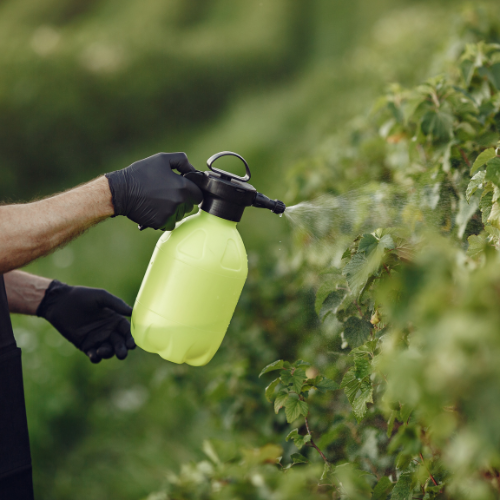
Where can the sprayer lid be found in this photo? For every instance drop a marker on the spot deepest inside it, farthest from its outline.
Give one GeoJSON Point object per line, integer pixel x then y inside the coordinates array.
{"type": "Point", "coordinates": [224, 194]}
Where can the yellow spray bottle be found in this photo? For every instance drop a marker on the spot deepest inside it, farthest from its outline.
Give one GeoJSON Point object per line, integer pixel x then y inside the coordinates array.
{"type": "Point", "coordinates": [196, 274]}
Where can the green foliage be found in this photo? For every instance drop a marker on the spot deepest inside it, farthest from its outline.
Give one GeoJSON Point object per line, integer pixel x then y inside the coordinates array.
{"type": "Point", "coordinates": [298, 440]}
{"type": "Point", "coordinates": [382, 488]}
{"type": "Point", "coordinates": [409, 308]}
{"type": "Point", "coordinates": [293, 387]}
{"type": "Point", "coordinates": [398, 394]}
{"type": "Point", "coordinates": [405, 299]}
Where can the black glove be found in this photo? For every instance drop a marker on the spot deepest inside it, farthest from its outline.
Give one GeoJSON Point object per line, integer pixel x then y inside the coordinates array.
{"type": "Point", "coordinates": [149, 193]}
{"type": "Point", "coordinates": [90, 318]}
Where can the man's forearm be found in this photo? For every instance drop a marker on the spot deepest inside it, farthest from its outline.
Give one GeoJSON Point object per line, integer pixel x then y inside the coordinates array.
{"type": "Point", "coordinates": [31, 230]}
{"type": "Point", "coordinates": [25, 291]}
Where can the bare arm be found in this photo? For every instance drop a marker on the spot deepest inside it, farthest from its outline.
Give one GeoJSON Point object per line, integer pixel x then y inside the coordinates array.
{"type": "Point", "coordinates": [31, 230]}
{"type": "Point", "coordinates": [25, 291]}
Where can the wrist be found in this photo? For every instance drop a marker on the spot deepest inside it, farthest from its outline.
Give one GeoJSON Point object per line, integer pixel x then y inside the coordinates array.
{"type": "Point", "coordinates": [25, 291]}
{"type": "Point", "coordinates": [104, 197]}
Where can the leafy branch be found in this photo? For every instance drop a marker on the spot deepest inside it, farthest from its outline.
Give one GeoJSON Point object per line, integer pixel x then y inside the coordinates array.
{"type": "Point", "coordinates": [290, 391]}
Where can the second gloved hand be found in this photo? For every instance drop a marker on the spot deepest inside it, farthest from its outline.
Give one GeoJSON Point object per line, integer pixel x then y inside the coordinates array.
{"type": "Point", "coordinates": [151, 194]}
{"type": "Point", "coordinates": [90, 318]}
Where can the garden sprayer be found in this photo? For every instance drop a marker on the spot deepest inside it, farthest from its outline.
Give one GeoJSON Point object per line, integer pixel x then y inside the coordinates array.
{"type": "Point", "coordinates": [197, 271]}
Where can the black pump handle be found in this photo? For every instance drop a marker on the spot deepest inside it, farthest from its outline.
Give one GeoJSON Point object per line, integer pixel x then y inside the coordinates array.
{"type": "Point", "coordinates": [225, 174]}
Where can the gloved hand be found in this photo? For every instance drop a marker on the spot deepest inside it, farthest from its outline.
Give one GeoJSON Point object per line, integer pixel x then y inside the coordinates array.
{"type": "Point", "coordinates": [149, 193]}
{"type": "Point", "coordinates": [90, 318]}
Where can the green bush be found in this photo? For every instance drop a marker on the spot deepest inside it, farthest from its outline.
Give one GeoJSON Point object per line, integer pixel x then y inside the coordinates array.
{"type": "Point", "coordinates": [398, 396]}
{"type": "Point", "coordinates": [72, 108]}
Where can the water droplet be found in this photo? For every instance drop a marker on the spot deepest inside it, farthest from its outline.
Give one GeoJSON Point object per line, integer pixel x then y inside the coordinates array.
{"type": "Point", "coordinates": [281, 215]}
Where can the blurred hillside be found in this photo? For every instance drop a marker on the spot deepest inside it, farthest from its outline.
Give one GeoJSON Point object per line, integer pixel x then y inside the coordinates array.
{"type": "Point", "coordinates": [89, 87]}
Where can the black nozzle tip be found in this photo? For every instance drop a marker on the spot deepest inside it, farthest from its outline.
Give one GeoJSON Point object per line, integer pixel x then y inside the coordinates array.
{"type": "Point", "coordinates": [279, 208]}
{"type": "Point", "coordinates": [262, 201]}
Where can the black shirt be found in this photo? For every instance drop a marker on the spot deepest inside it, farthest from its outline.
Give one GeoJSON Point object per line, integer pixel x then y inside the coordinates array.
{"type": "Point", "coordinates": [15, 461]}
{"type": "Point", "coordinates": [6, 335]}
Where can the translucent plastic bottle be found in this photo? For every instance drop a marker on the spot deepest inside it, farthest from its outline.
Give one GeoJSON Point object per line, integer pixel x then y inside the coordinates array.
{"type": "Point", "coordinates": [197, 272]}
{"type": "Point", "coordinates": [190, 290]}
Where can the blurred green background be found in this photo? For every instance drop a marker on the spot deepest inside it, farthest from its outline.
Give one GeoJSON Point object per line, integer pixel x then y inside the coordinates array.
{"type": "Point", "coordinates": [89, 86]}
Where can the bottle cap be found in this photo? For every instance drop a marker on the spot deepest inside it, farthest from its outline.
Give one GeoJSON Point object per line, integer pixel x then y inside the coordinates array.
{"type": "Point", "coordinates": [226, 195]}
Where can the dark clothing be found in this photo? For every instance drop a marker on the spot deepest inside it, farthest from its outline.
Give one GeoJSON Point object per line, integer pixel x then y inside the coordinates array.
{"type": "Point", "coordinates": [15, 459]}
{"type": "Point", "coordinates": [6, 335]}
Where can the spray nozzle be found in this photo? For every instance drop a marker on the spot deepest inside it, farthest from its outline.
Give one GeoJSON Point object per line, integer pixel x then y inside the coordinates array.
{"type": "Point", "coordinates": [226, 195]}
{"type": "Point", "coordinates": [262, 201]}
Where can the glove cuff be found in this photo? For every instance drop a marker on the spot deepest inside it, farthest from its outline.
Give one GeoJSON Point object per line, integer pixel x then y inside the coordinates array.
{"type": "Point", "coordinates": [117, 183]}
{"type": "Point", "coordinates": [52, 295]}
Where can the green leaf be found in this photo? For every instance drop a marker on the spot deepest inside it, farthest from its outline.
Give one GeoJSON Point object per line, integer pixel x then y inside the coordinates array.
{"type": "Point", "coordinates": [465, 211]}
{"type": "Point", "coordinates": [474, 184]}
{"type": "Point", "coordinates": [269, 391]}
{"type": "Point", "coordinates": [370, 243]}
{"type": "Point", "coordinates": [366, 261]}
{"type": "Point", "coordinates": [293, 434]}
{"type": "Point", "coordinates": [382, 489]}
{"type": "Point", "coordinates": [276, 365]}
{"type": "Point", "coordinates": [280, 401]}
{"type": "Point", "coordinates": [387, 242]}
{"type": "Point", "coordinates": [356, 272]}
{"type": "Point", "coordinates": [330, 282]}
{"type": "Point", "coordinates": [301, 362]}
{"type": "Point", "coordinates": [485, 204]}
{"type": "Point", "coordinates": [298, 440]}
{"type": "Point", "coordinates": [347, 254]}
{"type": "Point", "coordinates": [403, 489]}
{"type": "Point", "coordinates": [294, 408]}
{"type": "Point", "coordinates": [495, 75]}
{"type": "Point", "coordinates": [438, 125]}
{"type": "Point", "coordinates": [403, 461]}
{"type": "Point", "coordinates": [493, 171]}
{"type": "Point", "coordinates": [367, 244]}
{"type": "Point", "coordinates": [328, 469]}
{"type": "Point", "coordinates": [493, 232]}
{"type": "Point", "coordinates": [405, 413]}
{"type": "Point", "coordinates": [297, 458]}
{"type": "Point", "coordinates": [331, 303]}
{"type": "Point", "coordinates": [358, 392]}
{"type": "Point", "coordinates": [465, 93]}
{"type": "Point", "coordinates": [362, 367]}
{"type": "Point", "coordinates": [363, 350]}
{"type": "Point", "coordinates": [467, 68]}
{"type": "Point", "coordinates": [350, 384]}
{"type": "Point", "coordinates": [486, 155]}
{"type": "Point", "coordinates": [487, 138]}
{"type": "Point", "coordinates": [325, 384]}
{"type": "Point", "coordinates": [356, 331]}
{"type": "Point", "coordinates": [295, 379]}
{"type": "Point", "coordinates": [494, 216]}
{"type": "Point", "coordinates": [408, 439]}
{"type": "Point", "coordinates": [364, 397]}
{"type": "Point", "coordinates": [477, 244]}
